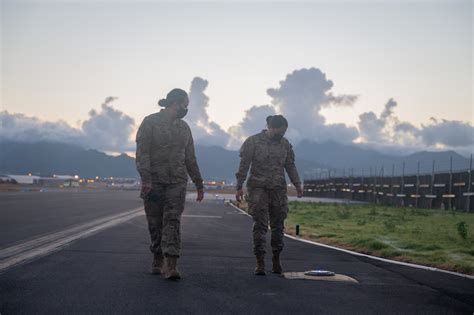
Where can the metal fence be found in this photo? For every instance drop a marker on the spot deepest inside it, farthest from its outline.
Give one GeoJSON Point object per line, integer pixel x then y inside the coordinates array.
{"type": "Point", "coordinates": [452, 189]}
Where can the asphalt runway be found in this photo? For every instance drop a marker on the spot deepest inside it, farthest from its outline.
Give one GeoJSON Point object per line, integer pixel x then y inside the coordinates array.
{"type": "Point", "coordinates": [29, 214]}
{"type": "Point", "coordinates": [107, 272]}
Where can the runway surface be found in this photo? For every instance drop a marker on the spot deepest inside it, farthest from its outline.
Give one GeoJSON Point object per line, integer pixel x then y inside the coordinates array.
{"type": "Point", "coordinates": [107, 271]}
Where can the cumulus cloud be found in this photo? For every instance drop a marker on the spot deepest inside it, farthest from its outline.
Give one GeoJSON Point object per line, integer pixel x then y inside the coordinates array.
{"type": "Point", "coordinates": [371, 127]}
{"type": "Point", "coordinates": [376, 129]}
{"type": "Point", "coordinates": [388, 109]}
{"type": "Point", "coordinates": [204, 130]}
{"type": "Point", "coordinates": [253, 122]}
{"type": "Point", "coordinates": [303, 93]}
{"type": "Point", "coordinates": [405, 127]}
{"type": "Point", "coordinates": [389, 130]}
{"type": "Point", "coordinates": [344, 100]}
{"type": "Point", "coordinates": [21, 128]}
{"type": "Point", "coordinates": [450, 133]}
{"type": "Point", "coordinates": [300, 98]}
{"type": "Point", "coordinates": [107, 130]}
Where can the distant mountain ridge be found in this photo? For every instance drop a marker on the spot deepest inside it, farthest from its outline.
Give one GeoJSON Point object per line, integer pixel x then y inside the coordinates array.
{"type": "Point", "coordinates": [216, 163]}
{"type": "Point", "coordinates": [46, 158]}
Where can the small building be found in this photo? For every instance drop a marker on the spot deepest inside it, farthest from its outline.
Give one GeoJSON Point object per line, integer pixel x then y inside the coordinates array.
{"type": "Point", "coordinates": [26, 179]}
{"type": "Point", "coordinates": [6, 179]}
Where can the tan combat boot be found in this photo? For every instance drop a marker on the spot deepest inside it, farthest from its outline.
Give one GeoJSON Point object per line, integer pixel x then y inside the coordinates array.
{"type": "Point", "coordinates": [171, 272]}
{"type": "Point", "coordinates": [157, 265]}
{"type": "Point", "coordinates": [260, 268]}
{"type": "Point", "coordinates": [276, 268]}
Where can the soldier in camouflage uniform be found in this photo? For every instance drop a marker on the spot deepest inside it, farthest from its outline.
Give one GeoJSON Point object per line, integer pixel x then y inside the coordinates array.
{"type": "Point", "coordinates": [164, 158]}
{"type": "Point", "coordinates": [268, 154]}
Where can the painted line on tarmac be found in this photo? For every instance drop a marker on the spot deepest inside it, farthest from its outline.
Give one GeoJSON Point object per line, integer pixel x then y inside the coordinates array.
{"type": "Point", "coordinates": [202, 216]}
{"type": "Point", "coordinates": [242, 211]}
{"type": "Point", "coordinates": [367, 256]}
{"type": "Point", "coordinates": [41, 246]}
{"type": "Point", "coordinates": [48, 238]}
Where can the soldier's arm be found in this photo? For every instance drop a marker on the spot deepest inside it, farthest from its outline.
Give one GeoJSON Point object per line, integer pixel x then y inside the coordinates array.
{"type": "Point", "coordinates": [246, 155]}
{"type": "Point", "coordinates": [290, 167]}
{"type": "Point", "coordinates": [191, 163]}
{"type": "Point", "coordinates": [143, 158]}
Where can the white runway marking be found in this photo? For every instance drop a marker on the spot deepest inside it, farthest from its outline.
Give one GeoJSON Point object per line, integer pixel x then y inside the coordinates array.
{"type": "Point", "coordinates": [202, 216]}
{"type": "Point", "coordinates": [43, 245]}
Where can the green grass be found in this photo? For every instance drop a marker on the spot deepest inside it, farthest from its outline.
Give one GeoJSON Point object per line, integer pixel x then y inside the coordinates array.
{"type": "Point", "coordinates": [429, 237]}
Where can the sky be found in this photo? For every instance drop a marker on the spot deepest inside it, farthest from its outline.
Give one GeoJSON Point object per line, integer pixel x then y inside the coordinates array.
{"type": "Point", "coordinates": [379, 72]}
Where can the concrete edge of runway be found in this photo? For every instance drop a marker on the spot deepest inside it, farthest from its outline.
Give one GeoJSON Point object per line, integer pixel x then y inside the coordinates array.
{"type": "Point", "coordinates": [365, 255]}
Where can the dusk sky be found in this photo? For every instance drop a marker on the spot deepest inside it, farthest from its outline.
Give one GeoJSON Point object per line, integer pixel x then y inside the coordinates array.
{"type": "Point", "coordinates": [60, 59]}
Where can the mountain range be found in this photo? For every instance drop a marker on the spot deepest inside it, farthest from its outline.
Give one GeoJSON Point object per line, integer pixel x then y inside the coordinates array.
{"type": "Point", "coordinates": [217, 163]}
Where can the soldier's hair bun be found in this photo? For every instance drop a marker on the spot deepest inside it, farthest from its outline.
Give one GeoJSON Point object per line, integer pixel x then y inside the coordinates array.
{"type": "Point", "coordinates": [163, 102]}
{"type": "Point", "coordinates": [175, 95]}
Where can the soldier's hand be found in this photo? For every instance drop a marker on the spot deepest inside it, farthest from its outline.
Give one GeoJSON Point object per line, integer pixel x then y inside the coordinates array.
{"type": "Point", "coordinates": [146, 189]}
{"type": "Point", "coordinates": [299, 192]}
{"type": "Point", "coordinates": [200, 195]}
{"type": "Point", "coordinates": [239, 195]}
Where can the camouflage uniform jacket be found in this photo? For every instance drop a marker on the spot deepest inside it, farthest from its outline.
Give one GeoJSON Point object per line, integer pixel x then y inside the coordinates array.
{"type": "Point", "coordinates": [268, 159]}
{"type": "Point", "coordinates": [165, 151]}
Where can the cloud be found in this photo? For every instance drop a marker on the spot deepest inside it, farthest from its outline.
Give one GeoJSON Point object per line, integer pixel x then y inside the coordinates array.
{"type": "Point", "coordinates": [204, 131]}
{"type": "Point", "coordinates": [300, 98]}
{"type": "Point", "coordinates": [388, 109]}
{"type": "Point", "coordinates": [450, 133]}
{"type": "Point", "coordinates": [21, 128]}
{"type": "Point", "coordinates": [374, 129]}
{"type": "Point", "coordinates": [106, 130]}
{"type": "Point", "coordinates": [344, 100]}
{"type": "Point", "coordinates": [371, 127]}
{"type": "Point", "coordinates": [109, 129]}
{"type": "Point", "coordinates": [253, 122]}
{"type": "Point", "coordinates": [389, 130]}
{"type": "Point", "coordinates": [406, 127]}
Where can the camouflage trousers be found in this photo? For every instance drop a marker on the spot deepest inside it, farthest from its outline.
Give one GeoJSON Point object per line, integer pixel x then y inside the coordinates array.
{"type": "Point", "coordinates": [268, 206]}
{"type": "Point", "coordinates": [164, 206]}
